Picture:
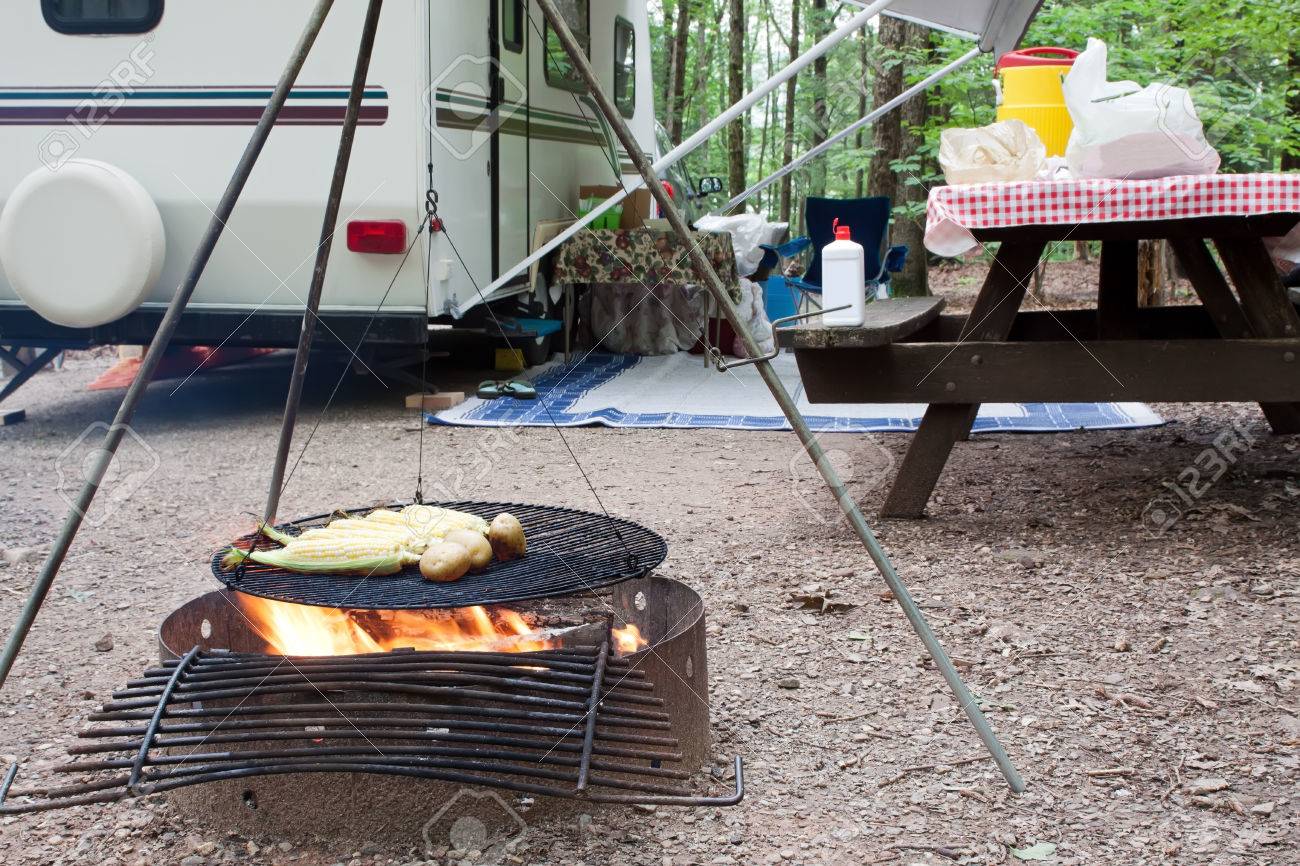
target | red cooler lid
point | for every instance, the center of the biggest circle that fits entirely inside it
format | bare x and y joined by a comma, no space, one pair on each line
1042,55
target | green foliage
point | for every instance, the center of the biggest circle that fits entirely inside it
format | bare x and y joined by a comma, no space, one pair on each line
1231,54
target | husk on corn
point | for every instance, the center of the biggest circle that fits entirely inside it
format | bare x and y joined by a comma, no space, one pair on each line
382,564
381,543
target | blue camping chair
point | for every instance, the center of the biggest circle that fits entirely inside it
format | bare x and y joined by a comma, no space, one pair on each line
867,218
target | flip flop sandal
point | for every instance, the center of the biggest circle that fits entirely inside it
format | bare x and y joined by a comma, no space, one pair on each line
493,390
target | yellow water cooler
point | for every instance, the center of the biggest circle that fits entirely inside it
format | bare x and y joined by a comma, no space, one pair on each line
1029,89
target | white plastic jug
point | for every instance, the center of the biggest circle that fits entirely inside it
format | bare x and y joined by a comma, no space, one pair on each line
844,280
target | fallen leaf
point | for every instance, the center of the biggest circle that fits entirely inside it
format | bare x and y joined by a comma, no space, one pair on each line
1039,851
821,602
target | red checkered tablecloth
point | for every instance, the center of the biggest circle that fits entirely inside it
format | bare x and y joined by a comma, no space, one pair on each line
954,211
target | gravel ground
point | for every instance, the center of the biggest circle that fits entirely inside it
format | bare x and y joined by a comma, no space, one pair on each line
1143,680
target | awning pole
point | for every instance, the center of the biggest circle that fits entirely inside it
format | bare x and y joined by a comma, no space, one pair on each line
854,24
714,284
310,314
166,328
922,85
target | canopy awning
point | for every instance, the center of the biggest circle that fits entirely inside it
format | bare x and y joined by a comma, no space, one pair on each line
998,25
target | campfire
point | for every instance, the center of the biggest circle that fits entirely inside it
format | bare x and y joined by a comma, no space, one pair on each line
577,677
305,630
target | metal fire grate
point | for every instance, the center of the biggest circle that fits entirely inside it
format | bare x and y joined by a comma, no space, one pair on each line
568,552
520,722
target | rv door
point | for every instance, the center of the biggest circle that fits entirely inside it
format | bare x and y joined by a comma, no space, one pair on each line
511,38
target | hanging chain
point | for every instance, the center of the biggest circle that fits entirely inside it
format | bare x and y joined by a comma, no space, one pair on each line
433,223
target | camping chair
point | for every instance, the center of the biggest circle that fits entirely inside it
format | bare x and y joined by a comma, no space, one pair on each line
867,219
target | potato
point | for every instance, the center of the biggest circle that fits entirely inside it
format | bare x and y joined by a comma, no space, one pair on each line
506,535
480,552
445,561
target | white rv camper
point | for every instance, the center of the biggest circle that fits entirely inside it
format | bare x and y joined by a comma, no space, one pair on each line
121,121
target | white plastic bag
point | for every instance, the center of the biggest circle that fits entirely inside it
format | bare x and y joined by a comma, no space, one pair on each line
1123,130
1003,151
747,232
753,313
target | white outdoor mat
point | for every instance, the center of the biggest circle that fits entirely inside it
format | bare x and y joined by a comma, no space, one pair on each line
679,391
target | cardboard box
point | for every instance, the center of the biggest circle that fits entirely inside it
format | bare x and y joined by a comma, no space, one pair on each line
636,207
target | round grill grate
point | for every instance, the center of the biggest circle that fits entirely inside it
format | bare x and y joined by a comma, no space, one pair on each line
568,552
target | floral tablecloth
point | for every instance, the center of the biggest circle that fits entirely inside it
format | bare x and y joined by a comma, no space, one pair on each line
649,257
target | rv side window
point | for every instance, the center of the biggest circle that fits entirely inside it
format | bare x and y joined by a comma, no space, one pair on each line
102,16
512,25
560,71
625,66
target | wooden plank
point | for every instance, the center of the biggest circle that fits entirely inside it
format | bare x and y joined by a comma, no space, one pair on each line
1211,287
886,321
1003,292
1188,322
1217,298
991,318
435,402
942,426
1193,371
1117,290
1266,306
1263,298
1256,226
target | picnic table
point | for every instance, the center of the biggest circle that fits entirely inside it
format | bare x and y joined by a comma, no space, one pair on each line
650,259
1231,347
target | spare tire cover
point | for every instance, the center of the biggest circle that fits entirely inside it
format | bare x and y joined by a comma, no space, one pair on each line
82,246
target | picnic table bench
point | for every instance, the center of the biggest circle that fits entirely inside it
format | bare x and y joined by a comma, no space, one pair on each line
1242,347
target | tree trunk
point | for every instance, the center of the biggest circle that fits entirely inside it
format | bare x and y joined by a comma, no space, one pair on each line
860,140
787,152
769,109
673,108
1155,273
1291,149
820,26
887,133
913,281
736,92
670,62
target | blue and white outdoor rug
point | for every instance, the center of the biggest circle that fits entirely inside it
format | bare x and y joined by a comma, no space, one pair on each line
679,391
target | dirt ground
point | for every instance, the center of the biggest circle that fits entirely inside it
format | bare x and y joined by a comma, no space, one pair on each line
1139,664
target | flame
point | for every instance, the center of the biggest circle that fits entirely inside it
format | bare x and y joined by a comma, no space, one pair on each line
303,630
628,639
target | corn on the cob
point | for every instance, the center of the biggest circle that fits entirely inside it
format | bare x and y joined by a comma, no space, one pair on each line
348,528
433,522
351,540
367,565
383,542
429,521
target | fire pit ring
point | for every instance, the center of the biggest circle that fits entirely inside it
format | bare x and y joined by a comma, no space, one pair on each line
669,614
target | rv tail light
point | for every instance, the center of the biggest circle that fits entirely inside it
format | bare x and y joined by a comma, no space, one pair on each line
377,236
